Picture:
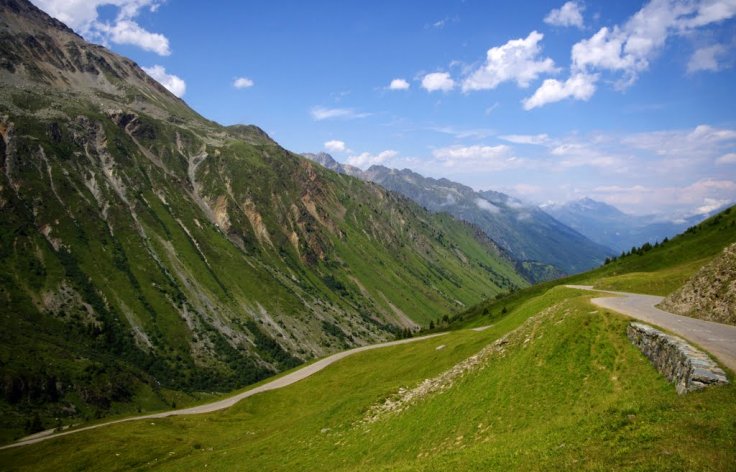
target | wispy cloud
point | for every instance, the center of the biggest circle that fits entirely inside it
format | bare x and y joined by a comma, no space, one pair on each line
459,133
320,113
477,157
526,138
707,59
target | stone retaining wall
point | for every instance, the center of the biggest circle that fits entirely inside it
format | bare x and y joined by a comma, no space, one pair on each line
688,368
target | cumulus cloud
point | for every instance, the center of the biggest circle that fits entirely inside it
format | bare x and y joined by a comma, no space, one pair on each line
172,83
322,113
438,81
367,159
569,14
129,32
629,48
579,86
626,50
335,146
399,84
706,59
518,60
243,83
82,16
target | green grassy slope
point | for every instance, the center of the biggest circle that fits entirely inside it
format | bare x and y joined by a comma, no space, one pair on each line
569,392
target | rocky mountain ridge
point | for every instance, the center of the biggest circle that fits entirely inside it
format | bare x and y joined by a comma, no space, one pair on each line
526,232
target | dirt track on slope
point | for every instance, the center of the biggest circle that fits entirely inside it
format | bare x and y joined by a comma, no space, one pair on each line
717,338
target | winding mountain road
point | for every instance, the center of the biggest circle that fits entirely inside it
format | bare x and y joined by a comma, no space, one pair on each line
281,382
717,338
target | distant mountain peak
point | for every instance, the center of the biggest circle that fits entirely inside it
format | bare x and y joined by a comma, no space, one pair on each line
607,225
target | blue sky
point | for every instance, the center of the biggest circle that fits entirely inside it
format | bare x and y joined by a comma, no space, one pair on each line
631,103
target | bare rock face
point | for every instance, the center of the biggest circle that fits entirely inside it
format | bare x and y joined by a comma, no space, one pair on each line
688,368
711,293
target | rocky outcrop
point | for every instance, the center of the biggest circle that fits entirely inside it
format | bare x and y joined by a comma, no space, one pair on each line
688,368
710,294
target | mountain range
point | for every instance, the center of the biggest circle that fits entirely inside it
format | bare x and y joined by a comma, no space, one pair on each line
609,226
149,253
525,231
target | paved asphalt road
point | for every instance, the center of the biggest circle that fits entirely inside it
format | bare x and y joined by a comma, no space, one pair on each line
227,402
717,338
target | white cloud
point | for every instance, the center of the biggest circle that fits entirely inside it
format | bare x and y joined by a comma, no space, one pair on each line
526,138
477,157
484,204
479,133
82,16
243,83
626,50
471,152
322,113
706,58
335,146
172,83
438,81
630,48
729,158
579,86
573,154
569,14
526,190
367,159
702,142
399,84
710,204
698,197
129,32
518,60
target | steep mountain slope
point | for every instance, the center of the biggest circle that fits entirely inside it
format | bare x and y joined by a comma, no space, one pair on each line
710,294
608,226
528,233
146,249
